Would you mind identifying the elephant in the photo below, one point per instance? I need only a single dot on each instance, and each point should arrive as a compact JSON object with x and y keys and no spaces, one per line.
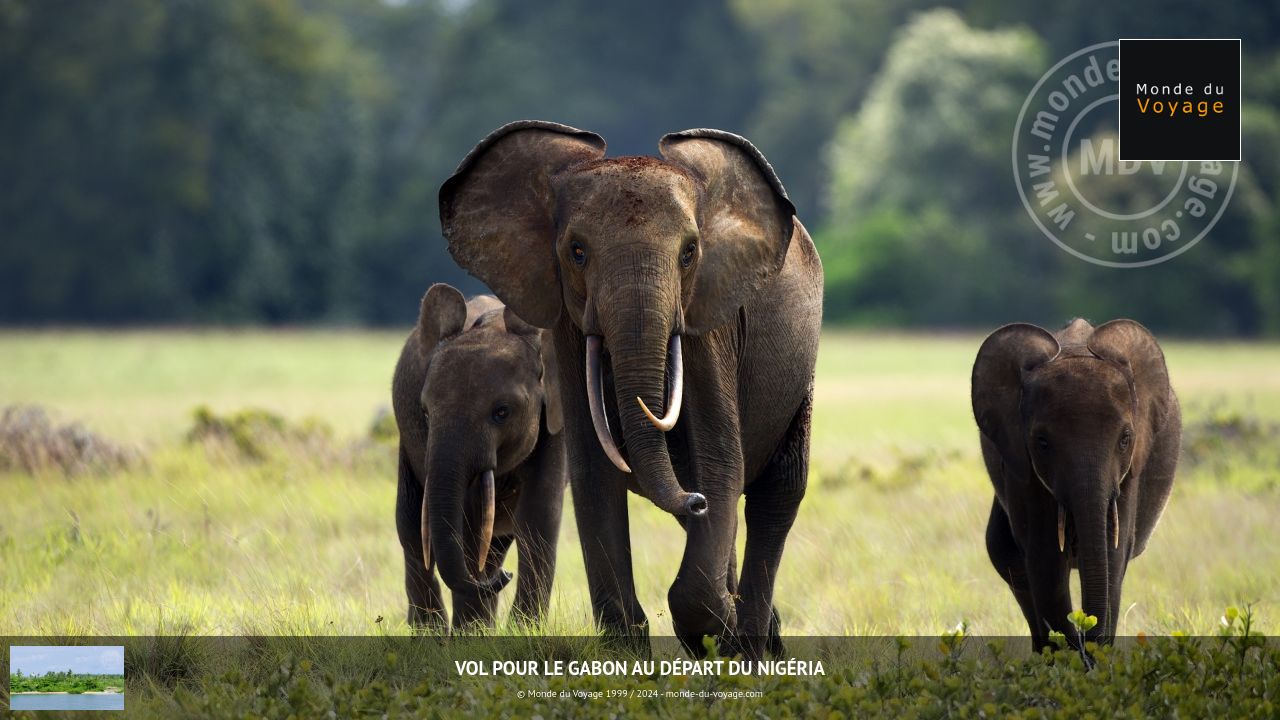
{"x":1080,"y":433}
{"x":482,"y":460}
{"x":684,"y":300}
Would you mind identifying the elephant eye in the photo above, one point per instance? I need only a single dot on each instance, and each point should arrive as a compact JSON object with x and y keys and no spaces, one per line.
{"x":687,"y":255}
{"x":1125,"y":440}
{"x":578,"y":252}
{"x":1042,"y":442}
{"x":500,"y":413}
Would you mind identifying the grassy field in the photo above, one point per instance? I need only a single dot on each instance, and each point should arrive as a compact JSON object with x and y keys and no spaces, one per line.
{"x":889,"y":540}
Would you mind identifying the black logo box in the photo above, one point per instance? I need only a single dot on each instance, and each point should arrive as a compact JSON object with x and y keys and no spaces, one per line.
{"x":1187,"y":68}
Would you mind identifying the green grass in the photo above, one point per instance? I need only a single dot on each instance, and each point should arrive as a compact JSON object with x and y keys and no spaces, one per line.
{"x":889,"y":539}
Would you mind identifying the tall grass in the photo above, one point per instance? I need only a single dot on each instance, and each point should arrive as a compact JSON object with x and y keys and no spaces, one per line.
{"x":302,"y":540}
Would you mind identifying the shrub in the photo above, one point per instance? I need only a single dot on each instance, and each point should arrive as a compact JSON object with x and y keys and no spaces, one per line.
{"x":30,"y":442}
{"x":258,"y":435}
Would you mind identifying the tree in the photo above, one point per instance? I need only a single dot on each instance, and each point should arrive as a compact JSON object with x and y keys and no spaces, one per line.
{"x":175,"y":160}
{"x":924,"y":227}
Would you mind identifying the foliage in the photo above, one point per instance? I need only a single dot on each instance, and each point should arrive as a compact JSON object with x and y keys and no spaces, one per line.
{"x":1226,"y":441}
{"x":1230,"y":675}
{"x":277,"y":161}
{"x":383,"y":429}
{"x":65,"y":681}
{"x":902,"y":214}
{"x":921,"y":232}
{"x":253,"y":431}
{"x":256,"y":435}
{"x":176,"y":160}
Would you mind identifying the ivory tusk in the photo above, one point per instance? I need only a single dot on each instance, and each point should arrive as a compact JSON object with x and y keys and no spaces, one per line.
{"x":426,"y":533}
{"x":486,"y":520}
{"x":1062,"y":529}
{"x":675,"y":362}
{"x":595,"y":398}
{"x":1115,"y":524}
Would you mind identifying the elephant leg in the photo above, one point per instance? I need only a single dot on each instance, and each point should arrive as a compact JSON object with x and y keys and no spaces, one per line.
{"x":600,"y":510}
{"x":599,"y":504}
{"x":700,"y":597}
{"x":470,"y":609}
{"x":1049,"y":575}
{"x":537,"y":521}
{"x":773,"y":501}
{"x":1118,"y":568}
{"x":426,"y":603}
{"x":727,"y":645}
{"x":1011,"y":564}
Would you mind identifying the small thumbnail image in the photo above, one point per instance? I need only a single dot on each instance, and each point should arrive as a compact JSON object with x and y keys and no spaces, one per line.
{"x":66,"y":677}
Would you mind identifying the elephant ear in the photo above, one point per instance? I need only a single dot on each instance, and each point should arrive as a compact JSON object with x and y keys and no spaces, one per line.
{"x":745,"y":219}
{"x":442,"y":315}
{"x":497,"y":211}
{"x":1133,"y":347}
{"x":541,"y":341}
{"x":996,"y":391}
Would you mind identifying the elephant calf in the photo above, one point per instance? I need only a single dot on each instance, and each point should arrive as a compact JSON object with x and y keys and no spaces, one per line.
{"x":1080,"y":433}
{"x":482,"y":461}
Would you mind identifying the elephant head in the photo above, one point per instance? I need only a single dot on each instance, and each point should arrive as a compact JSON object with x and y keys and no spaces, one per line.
{"x":485,"y":401}
{"x":1078,"y":420}
{"x":634,"y":252}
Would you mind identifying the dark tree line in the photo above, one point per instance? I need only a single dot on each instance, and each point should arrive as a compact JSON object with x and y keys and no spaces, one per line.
{"x":277,"y":161}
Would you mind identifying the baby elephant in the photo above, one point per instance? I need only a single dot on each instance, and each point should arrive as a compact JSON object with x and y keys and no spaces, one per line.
{"x":482,"y":460}
{"x":1080,"y":433}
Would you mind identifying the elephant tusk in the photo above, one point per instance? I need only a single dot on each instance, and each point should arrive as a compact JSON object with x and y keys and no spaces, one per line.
{"x":595,"y":398}
{"x":1115,"y":524}
{"x":675,"y":363}
{"x":426,"y":533}
{"x":1062,"y":529}
{"x":486,"y":520}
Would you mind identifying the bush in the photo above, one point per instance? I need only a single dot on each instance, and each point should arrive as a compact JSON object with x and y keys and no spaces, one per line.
{"x":256,"y":435}
{"x":1234,"y":448}
{"x":30,"y":442}
{"x":252,"y":433}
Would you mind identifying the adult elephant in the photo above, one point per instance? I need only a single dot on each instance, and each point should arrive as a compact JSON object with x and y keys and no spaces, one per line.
{"x":685,"y":301}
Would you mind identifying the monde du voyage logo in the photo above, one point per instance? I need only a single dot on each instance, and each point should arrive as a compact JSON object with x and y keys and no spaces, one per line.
{"x":1126,"y":153}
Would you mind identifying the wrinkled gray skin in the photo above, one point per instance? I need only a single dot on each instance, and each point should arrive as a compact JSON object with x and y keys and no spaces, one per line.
{"x":462,"y":362}
{"x":630,"y":252}
{"x":1084,"y":422}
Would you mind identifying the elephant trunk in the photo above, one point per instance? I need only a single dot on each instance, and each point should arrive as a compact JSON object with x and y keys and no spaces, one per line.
{"x":1094,"y":534}
{"x":642,"y":376}
{"x":638,"y":317}
{"x":446,"y":488}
